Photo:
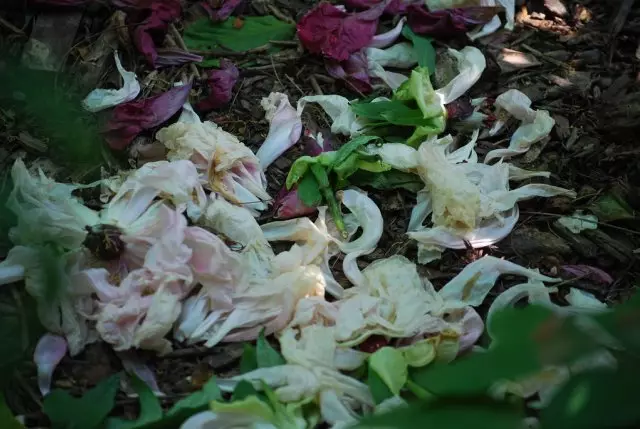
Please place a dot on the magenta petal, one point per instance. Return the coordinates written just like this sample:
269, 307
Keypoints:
447, 22
220, 84
220, 10
175, 57
336, 34
288, 205
588, 272
130, 119
354, 70
47, 355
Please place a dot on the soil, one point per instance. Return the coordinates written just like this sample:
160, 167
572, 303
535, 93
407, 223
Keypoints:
579, 68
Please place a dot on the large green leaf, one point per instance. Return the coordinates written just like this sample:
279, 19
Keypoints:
393, 179
477, 413
7, 419
254, 32
196, 402
309, 190
249, 360
422, 46
87, 412
390, 365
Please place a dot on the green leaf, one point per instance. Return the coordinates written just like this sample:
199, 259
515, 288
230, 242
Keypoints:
422, 46
266, 355
391, 366
309, 190
596, 399
349, 148
611, 207
20, 329
301, 166
196, 402
378, 388
249, 360
393, 179
7, 419
243, 390
255, 31
480, 413
87, 412
433, 128
150, 408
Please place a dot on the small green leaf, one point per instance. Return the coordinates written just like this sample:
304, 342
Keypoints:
422, 46
254, 31
150, 408
390, 365
87, 412
249, 360
611, 207
309, 190
266, 355
349, 148
393, 179
243, 390
7, 419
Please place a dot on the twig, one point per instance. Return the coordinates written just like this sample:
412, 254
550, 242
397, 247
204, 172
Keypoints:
267, 67
178, 39
275, 71
545, 57
284, 42
11, 27
237, 93
225, 53
315, 86
281, 16
608, 225
293, 82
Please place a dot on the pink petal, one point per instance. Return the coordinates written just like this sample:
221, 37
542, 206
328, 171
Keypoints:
219, 10
220, 84
336, 34
285, 128
447, 22
354, 70
588, 272
133, 364
47, 355
130, 119
388, 38
288, 205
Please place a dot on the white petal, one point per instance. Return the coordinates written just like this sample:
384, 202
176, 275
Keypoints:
100, 99
284, 129
471, 64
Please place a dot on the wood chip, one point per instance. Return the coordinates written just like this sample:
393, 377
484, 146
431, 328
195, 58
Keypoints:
510, 60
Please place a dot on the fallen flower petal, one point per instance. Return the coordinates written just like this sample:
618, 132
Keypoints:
394, 7
100, 99
219, 10
47, 355
447, 22
151, 24
401, 55
133, 364
220, 84
336, 34
285, 128
471, 64
384, 40
353, 70
588, 272
130, 119
339, 110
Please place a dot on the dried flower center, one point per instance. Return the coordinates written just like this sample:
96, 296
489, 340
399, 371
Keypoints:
104, 241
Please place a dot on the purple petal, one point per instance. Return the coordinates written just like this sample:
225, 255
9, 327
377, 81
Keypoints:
384, 40
460, 108
393, 7
220, 10
586, 271
336, 34
288, 205
175, 57
448, 23
130, 119
220, 84
47, 355
353, 70
133, 364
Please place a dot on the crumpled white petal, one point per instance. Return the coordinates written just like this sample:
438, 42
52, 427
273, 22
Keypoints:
284, 129
578, 222
48, 353
100, 99
471, 64
535, 124
338, 109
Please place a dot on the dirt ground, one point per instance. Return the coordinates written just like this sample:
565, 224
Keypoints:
583, 68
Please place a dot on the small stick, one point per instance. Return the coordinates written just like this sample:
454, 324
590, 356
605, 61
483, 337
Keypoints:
178, 39
547, 58
278, 14
294, 84
11, 27
314, 85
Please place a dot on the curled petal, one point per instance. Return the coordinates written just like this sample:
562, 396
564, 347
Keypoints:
47, 355
133, 364
100, 99
284, 130
384, 40
353, 70
339, 110
446, 23
368, 217
220, 10
471, 64
220, 84
168, 57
